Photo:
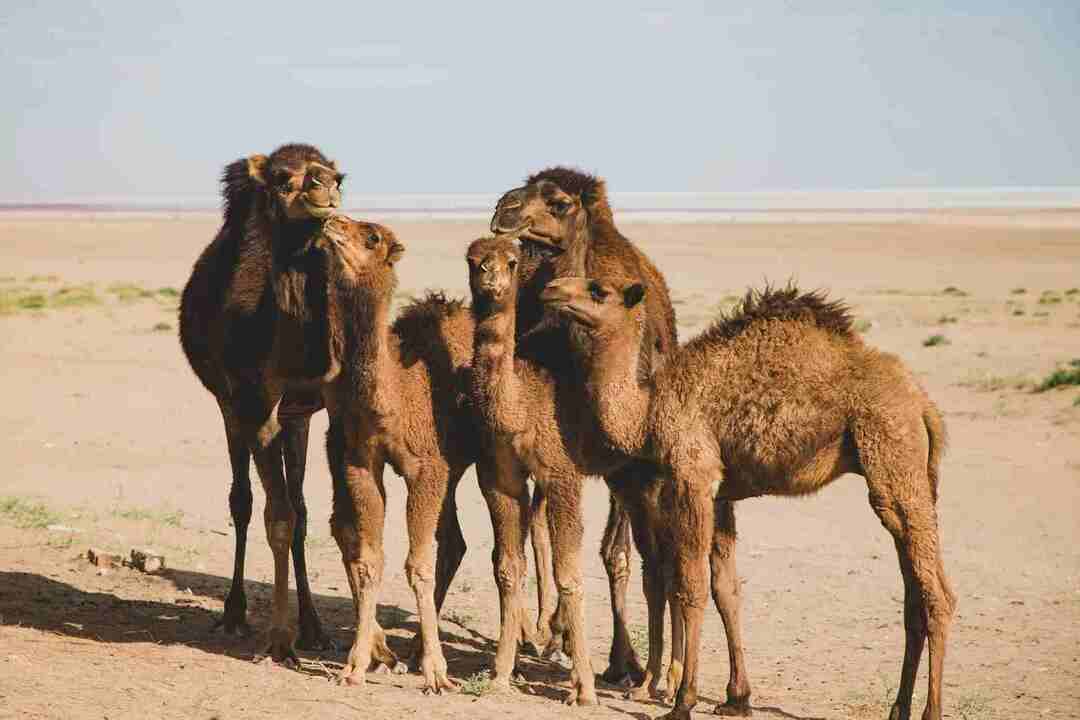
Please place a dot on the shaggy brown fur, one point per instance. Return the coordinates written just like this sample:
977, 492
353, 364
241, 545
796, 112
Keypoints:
250, 329
779, 398
566, 228
398, 399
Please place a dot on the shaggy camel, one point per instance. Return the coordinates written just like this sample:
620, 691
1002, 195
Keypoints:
566, 228
399, 399
779, 398
247, 328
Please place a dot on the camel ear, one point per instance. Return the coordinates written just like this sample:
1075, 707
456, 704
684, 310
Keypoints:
256, 165
633, 295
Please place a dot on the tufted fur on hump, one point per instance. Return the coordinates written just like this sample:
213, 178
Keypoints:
786, 304
591, 189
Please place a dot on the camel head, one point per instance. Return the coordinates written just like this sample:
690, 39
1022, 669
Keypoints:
296, 182
359, 252
493, 264
551, 213
595, 305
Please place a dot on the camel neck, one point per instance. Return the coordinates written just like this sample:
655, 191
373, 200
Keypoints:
496, 386
374, 366
618, 388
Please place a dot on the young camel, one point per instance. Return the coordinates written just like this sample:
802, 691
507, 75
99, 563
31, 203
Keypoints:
248, 329
399, 399
779, 398
566, 228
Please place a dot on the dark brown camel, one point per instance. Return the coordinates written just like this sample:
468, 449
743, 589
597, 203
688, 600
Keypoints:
780, 397
249, 326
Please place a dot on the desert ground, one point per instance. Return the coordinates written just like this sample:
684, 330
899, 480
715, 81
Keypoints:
112, 443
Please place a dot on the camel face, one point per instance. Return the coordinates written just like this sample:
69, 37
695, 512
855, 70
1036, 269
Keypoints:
493, 264
547, 219
594, 304
299, 184
358, 248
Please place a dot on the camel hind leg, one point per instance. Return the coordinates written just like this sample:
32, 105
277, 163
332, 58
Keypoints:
294, 440
725, 592
902, 494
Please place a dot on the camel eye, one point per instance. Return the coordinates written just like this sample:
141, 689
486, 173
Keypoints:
597, 292
316, 181
560, 206
372, 241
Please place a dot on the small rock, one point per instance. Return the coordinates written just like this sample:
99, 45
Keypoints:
62, 528
103, 559
147, 560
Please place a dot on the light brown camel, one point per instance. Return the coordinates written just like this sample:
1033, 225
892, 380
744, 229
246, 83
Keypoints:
246, 327
566, 227
780, 397
399, 399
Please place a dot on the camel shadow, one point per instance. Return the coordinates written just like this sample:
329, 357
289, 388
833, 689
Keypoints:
127, 612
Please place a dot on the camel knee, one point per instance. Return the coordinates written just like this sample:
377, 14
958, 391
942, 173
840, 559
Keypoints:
240, 502
419, 575
279, 533
616, 562
509, 571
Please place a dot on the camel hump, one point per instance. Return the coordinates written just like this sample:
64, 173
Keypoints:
786, 304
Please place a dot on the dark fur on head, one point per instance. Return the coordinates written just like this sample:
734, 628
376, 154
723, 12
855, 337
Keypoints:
591, 189
785, 304
239, 190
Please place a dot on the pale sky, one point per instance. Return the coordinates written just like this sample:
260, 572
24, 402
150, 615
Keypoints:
138, 98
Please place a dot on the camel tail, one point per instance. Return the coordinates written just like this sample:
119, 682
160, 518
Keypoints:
935, 430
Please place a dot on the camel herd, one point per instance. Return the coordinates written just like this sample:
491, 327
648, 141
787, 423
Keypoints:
564, 365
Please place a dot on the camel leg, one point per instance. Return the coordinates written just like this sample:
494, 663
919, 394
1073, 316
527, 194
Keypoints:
545, 582
725, 592
427, 494
234, 620
624, 668
503, 484
450, 551
294, 440
280, 524
692, 531
567, 528
652, 584
678, 646
357, 525
904, 502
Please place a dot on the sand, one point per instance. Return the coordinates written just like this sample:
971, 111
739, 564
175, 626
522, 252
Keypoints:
105, 427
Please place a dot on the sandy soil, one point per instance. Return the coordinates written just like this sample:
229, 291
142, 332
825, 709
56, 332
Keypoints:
112, 442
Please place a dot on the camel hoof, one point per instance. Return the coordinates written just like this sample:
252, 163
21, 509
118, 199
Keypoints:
581, 700
232, 626
281, 647
518, 676
734, 708
625, 674
559, 658
316, 641
676, 714
642, 693
351, 678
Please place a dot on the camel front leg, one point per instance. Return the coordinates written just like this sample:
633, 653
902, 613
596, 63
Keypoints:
280, 523
567, 528
357, 526
234, 619
545, 579
692, 531
427, 492
624, 667
503, 484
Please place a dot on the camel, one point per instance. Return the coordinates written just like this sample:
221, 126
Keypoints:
565, 226
399, 399
780, 397
246, 327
